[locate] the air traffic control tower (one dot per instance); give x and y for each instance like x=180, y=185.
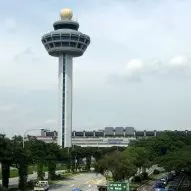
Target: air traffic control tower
x=65, y=42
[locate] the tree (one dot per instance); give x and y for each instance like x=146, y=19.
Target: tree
x=139, y=156
x=64, y=157
x=22, y=158
x=53, y=153
x=5, y=159
x=38, y=150
x=118, y=164
x=88, y=154
x=176, y=160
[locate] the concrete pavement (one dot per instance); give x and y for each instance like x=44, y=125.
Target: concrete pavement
x=84, y=181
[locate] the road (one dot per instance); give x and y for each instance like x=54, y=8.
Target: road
x=177, y=182
x=186, y=183
x=149, y=186
x=84, y=181
x=13, y=182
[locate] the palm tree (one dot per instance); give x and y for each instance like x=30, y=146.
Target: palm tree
x=22, y=158
x=5, y=159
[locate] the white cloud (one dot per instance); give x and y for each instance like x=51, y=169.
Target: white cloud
x=134, y=66
x=179, y=62
x=179, y=67
x=137, y=69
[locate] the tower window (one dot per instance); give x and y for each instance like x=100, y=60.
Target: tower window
x=65, y=37
x=65, y=44
x=56, y=37
x=80, y=45
x=51, y=45
x=82, y=39
x=57, y=44
x=73, y=37
x=48, y=39
x=72, y=44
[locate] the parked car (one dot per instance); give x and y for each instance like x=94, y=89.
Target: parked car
x=170, y=177
x=158, y=185
x=164, y=180
x=41, y=186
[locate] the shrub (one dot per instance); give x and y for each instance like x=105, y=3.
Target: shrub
x=3, y=188
x=137, y=179
x=156, y=171
x=144, y=176
x=31, y=183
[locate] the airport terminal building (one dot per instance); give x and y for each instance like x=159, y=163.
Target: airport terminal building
x=108, y=137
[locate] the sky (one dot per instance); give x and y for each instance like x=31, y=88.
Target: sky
x=135, y=72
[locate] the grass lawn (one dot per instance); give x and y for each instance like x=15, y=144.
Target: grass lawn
x=32, y=168
x=13, y=173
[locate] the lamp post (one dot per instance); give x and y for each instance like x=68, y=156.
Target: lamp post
x=28, y=130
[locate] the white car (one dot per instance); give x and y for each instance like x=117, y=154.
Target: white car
x=164, y=181
x=41, y=186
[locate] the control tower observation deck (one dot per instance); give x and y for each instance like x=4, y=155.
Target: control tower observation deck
x=65, y=42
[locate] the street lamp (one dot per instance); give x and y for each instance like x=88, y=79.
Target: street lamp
x=28, y=130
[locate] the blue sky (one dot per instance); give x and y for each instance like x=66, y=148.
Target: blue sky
x=136, y=71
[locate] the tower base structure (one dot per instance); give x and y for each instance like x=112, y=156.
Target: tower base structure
x=65, y=100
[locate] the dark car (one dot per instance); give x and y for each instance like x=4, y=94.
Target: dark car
x=159, y=189
x=159, y=184
x=170, y=177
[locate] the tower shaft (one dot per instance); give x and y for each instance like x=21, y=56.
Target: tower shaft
x=65, y=100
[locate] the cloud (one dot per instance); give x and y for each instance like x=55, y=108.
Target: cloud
x=134, y=67
x=137, y=70
x=179, y=62
x=10, y=25
x=131, y=41
x=179, y=67
x=132, y=72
